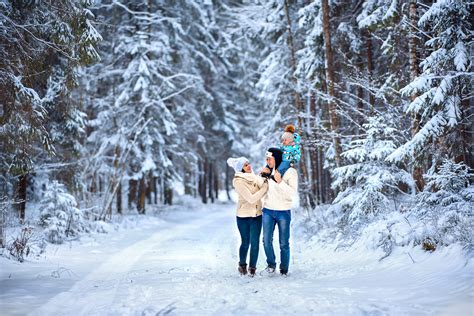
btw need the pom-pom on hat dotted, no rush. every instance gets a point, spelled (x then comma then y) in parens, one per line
(290, 128)
(237, 163)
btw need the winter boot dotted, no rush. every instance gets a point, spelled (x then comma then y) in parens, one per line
(284, 272)
(269, 271)
(252, 271)
(243, 268)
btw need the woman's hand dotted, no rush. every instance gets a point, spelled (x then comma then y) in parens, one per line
(277, 176)
(264, 170)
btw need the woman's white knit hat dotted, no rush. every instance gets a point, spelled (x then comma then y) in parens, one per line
(237, 163)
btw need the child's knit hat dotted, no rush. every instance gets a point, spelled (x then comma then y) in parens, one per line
(289, 132)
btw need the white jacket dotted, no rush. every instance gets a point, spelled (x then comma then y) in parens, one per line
(280, 196)
(250, 189)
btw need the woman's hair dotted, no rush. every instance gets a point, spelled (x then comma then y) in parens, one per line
(243, 170)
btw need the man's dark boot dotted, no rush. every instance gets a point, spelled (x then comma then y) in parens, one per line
(283, 272)
(243, 268)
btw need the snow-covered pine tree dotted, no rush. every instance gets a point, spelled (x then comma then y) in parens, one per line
(266, 22)
(210, 44)
(41, 39)
(59, 215)
(311, 72)
(368, 183)
(66, 124)
(443, 86)
(377, 12)
(184, 63)
(273, 26)
(360, 80)
(146, 83)
(380, 31)
(444, 211)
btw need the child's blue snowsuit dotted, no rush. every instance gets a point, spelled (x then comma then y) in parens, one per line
(291, 155)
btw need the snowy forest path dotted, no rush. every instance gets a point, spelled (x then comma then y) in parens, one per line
(109, 288)
(190, 267)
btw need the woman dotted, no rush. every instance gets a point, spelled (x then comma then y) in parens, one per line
(250, 189)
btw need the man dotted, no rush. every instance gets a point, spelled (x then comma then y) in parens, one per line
(277, 210)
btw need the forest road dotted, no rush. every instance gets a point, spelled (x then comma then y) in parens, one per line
(190, 268)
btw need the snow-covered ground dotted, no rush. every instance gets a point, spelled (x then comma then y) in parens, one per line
(184, 261)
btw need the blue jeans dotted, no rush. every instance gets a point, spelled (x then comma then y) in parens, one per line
(271, 218)
(249, 229)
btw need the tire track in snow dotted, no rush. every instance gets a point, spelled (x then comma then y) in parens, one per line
(96, 293)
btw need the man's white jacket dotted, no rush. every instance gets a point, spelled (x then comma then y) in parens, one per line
(280, 196)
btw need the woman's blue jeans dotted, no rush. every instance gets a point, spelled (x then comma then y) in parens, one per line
(271, 218)
(249, 228)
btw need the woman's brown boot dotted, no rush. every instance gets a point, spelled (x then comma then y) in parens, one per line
(252, 271)
(243, 268)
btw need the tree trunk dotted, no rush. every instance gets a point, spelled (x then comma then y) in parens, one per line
(21, 197)
(370, 69)
(309, 199)
(168, 190)
(93, 185)
(155, 190)
(132, 192)
(360, 108)
(204, 181)
(316, 175)
(2, 227)
(322, 176)
(101, 185)
(210, 181)
(330, 78)
(462, 153)
(3, 209)
(415, 72)
(161, 191)
(149, 188)
(116, 177)
(141, 195)
(227, 182)
(216, 182)
(188, 183)
(329, 193)
(200, 173)
(313, 152)
(170, 195)
(119, 199)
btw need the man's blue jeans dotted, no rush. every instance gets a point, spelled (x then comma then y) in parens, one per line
(271, 218)
(249, 229)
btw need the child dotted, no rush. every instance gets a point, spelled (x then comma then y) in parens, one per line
(290, 145)
(290, 152)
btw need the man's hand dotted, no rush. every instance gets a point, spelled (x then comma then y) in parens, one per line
(265, 170)
(277, 176)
